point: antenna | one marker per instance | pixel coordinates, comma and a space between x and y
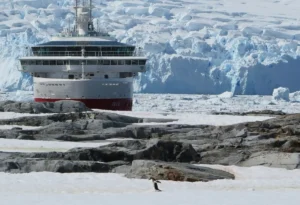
69, 25
76, 14
91, 10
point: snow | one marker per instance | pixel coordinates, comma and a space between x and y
15, 145
12, 115
194, 47
190, 118
8, 127
226, 95
255, 185
281, 94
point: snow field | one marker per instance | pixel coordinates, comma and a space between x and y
15, 145
259, 185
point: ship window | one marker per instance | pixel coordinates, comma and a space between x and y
106, 48
52, 62
121, 62
39, 62
92, 62
45, 62
115, 49
31, 62
125, 74
92, 74
114, 62
24, 62
74, 62
106, 62
128, 62
100, 62
66, 63
71, 76
60, 62
134, 62
106, 76
142, 62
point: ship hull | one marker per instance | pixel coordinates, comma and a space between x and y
107, 94
105, 104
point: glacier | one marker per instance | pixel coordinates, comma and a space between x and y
194, 47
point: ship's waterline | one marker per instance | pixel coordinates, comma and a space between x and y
104, 104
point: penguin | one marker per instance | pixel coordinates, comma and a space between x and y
154, 181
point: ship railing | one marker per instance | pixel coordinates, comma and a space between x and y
96, 53
92, 34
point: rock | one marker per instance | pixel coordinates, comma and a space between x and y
67, 106
291, 146
273, 159
25, 137
123, 169
63, 166
250, 113
144, 169
226, 145
63, 106
243, 133
130, 150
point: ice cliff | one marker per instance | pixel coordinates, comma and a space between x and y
207, 47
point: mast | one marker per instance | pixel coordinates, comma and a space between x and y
91, 10
76, 14
83, 18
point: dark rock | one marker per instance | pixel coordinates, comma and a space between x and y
227, 145
291, 146
130, 150
25, 137
63, 166
63, 106
144, 169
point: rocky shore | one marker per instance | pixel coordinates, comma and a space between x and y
166, 151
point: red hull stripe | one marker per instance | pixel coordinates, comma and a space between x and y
105, 104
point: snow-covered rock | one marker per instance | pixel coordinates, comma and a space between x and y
206, 47
281, 94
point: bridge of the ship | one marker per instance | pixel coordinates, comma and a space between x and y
98, 56
91, 48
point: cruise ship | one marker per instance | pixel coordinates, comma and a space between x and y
84, 64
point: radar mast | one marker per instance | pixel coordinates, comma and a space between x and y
83, 18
